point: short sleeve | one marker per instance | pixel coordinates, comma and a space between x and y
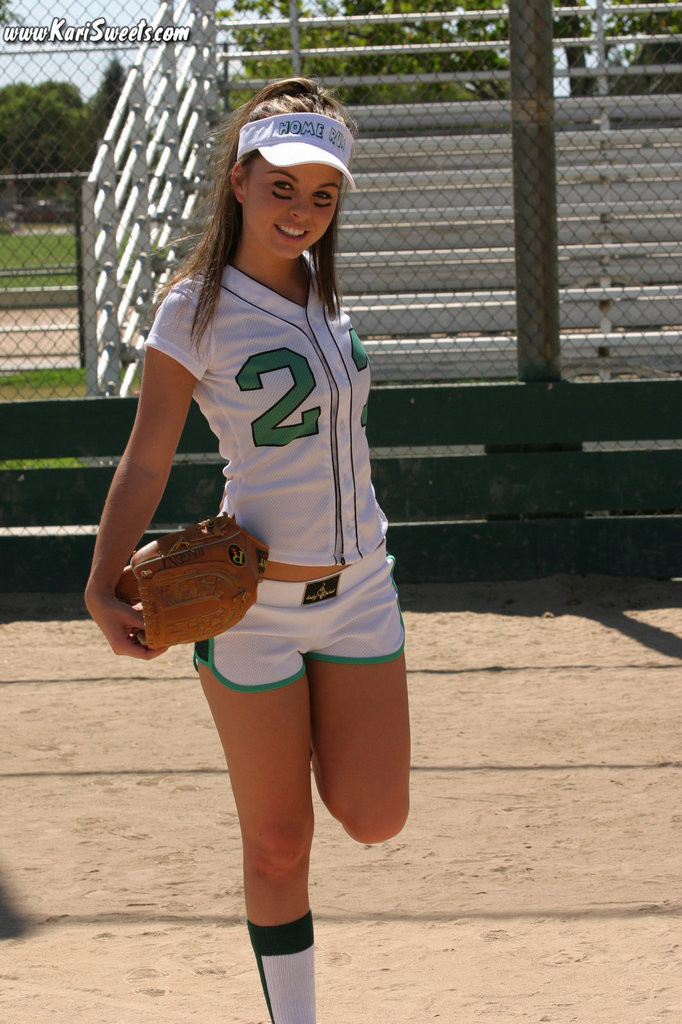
171, 332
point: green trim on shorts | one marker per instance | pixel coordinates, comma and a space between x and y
356, 661
203, 654
380, 659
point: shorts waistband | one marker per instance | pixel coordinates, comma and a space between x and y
285, 591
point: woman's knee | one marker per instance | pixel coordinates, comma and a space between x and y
371, 822
279, 849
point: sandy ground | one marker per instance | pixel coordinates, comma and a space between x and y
38, 339
538, 878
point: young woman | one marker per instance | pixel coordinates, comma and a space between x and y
251, 327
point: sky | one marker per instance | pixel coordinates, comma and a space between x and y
79, 64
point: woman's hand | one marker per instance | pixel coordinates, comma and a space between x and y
121, 624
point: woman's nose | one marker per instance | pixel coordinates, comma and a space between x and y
300, 207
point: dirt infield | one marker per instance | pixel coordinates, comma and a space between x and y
538, 879
38, 339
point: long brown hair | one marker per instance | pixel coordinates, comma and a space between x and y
220, 235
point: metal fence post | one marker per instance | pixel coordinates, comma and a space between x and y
295, 38
602, 76
534, 173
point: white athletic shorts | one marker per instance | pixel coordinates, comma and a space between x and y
352, 618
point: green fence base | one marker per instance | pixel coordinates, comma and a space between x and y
534, 501
648, 546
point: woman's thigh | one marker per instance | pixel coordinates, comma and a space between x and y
361, 744
266, 740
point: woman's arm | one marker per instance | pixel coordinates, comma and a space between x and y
135, 492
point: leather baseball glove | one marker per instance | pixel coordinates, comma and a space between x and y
195, 583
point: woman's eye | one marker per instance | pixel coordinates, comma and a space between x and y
285, 189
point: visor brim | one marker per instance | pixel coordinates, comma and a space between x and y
291, 154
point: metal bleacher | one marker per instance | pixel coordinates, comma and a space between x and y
428, 262
427, 257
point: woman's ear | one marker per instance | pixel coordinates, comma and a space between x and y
237, 178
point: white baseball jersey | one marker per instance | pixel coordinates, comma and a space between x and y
284, 389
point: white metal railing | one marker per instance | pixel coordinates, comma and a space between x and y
145, 180
603, 38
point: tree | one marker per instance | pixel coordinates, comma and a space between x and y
569, 27
103, 103
655, 54
45, 128
444, 74
439, 68
627, 62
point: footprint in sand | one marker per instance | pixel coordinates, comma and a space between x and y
149, 974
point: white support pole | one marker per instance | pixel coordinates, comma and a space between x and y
107, 290
89, 286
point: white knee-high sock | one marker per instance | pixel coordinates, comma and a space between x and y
286, 963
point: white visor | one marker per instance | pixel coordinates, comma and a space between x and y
289, 139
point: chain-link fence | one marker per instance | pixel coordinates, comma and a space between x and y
105, 120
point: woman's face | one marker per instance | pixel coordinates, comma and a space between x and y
285, 210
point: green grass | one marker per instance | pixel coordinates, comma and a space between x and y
68, 462
34, 385
37, 249
38, 385
37, 280
34, 251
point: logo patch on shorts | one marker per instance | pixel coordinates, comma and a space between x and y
321, 590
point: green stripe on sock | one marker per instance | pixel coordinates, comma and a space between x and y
280, 939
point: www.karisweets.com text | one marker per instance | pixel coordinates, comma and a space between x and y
97, 31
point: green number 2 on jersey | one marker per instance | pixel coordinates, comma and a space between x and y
268, 429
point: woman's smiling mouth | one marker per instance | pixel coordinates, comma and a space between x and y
291, 232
